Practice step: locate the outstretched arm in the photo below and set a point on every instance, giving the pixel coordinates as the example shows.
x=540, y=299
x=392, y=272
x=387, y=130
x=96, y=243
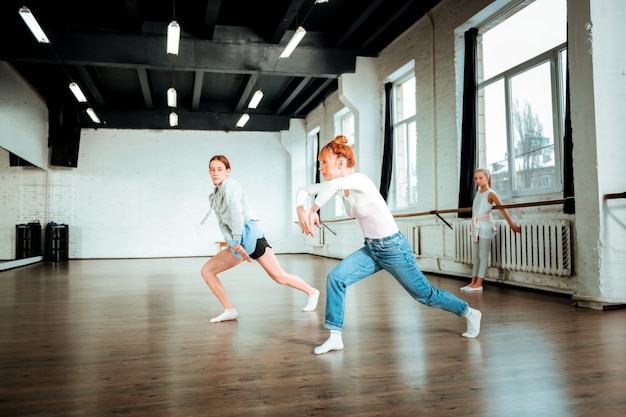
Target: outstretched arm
x=494, y=199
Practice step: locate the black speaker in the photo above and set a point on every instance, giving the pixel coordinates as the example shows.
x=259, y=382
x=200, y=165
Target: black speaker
x=56, y=242
x=64, y=132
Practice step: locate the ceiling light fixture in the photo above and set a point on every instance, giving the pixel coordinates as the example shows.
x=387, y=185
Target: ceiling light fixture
x=92, y=115
x=295, y=40
x=256, y=99
x=171, y=97
x=173, y=37
x=33, y=25
x=78, y=93
x=321, y=1
x=173, y=119
x=243, y=120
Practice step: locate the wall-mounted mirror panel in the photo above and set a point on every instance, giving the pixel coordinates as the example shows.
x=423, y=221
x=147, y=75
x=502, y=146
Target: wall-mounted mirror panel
x=23, y=200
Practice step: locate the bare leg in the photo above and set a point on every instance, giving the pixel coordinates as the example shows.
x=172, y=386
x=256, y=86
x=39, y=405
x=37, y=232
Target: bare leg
x=477, y=282
x=221, y=262
x=270, y=264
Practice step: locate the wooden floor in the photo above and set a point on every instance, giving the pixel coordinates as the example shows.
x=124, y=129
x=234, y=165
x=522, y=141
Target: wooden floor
x=133, y=338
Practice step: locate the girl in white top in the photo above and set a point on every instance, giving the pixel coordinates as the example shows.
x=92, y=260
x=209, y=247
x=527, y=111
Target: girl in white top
x=483, y=227
x=385, y=247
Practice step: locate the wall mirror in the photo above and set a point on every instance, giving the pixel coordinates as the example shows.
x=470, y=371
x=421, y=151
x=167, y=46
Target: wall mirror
x=23, y=200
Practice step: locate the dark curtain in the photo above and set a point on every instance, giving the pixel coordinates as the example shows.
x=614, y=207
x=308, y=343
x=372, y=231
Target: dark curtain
x=317, y=162
x=468, y=127
x=568, y=161
x=387, y=166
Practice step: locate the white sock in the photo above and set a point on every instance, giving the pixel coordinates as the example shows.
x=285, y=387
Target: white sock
x=473, y=323
x=312, y=302
x=334, y=342
x=228, y=314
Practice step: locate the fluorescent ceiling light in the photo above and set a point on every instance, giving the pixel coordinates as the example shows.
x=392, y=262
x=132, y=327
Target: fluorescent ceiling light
x=33, y=25
x=256, y=99
x=173, y=119
x=78, y=93
x=321, y=1
x=92, y=115
x=173, y=38
x=295, y=40
x=171, y=97
x=243, y=120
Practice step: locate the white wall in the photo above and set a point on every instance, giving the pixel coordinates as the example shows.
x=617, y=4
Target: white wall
x=144, y=193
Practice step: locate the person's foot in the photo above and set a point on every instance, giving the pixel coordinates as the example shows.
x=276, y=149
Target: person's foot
x=470, y=289
x=334, y=342
x=229, y=314
x=312, y=302
x=473, y=324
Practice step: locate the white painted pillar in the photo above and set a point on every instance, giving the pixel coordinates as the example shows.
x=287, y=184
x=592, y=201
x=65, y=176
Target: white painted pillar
x=597, y=52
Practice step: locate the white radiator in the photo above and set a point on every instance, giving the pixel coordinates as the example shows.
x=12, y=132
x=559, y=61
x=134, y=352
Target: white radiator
x=543, y=246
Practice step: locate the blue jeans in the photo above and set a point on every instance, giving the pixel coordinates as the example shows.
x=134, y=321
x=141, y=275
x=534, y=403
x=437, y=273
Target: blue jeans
x=395, y=255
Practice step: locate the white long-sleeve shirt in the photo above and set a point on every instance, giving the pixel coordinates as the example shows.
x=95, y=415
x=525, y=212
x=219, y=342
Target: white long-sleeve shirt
x=364, y=203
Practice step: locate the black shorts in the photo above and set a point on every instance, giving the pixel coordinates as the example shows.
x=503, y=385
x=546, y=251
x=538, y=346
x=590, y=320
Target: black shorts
x=259, y=250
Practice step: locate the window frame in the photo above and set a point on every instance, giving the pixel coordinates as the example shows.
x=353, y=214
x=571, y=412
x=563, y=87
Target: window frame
x=555, y=57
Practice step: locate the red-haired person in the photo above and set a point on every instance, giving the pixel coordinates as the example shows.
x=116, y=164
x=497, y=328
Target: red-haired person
x=384, y=246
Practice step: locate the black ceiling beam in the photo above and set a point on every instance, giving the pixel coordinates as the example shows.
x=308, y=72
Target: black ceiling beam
x=144, y=82
x=289, y=16
x=91, y=85
x=357, y=22
x=247, y=88
x=313, y=95
x=209, y=22
x=383, y=27
x=158, y=119
x=131, y=51
x=293, y=93
x=198, y=79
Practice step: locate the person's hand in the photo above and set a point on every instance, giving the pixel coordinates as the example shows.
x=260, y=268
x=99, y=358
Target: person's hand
x=303, y=221
x=314, y=219
x=516, y=228
x=240, y=252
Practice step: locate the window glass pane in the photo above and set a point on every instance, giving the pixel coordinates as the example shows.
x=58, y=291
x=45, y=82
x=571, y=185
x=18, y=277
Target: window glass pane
x=403, y=190
x=496, y=136
x=400, y=167
x=533, y=132
x=563, y=72
x=535, y=29
x=412, y=162
x=405, y=100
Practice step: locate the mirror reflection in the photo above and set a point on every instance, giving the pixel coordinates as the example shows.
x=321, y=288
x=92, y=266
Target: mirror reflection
x=22, y=202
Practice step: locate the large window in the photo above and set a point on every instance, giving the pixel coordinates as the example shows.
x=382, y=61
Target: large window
x=403, y=190
x=521, y=97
